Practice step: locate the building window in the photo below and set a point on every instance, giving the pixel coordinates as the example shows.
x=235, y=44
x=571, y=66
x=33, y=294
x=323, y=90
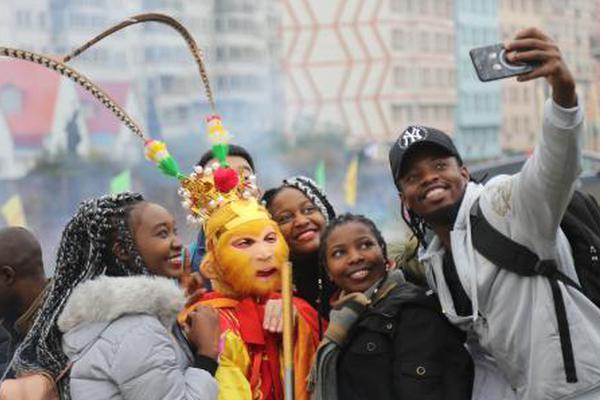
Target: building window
x=23, y=19
x=400, y=77
x=426, y=77
x=397, y=39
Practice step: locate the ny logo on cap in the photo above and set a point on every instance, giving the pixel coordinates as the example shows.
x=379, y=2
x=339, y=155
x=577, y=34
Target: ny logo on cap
x=410, y=135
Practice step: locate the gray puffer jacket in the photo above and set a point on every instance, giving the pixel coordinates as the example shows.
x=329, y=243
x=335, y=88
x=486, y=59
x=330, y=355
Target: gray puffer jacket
x=117, y=331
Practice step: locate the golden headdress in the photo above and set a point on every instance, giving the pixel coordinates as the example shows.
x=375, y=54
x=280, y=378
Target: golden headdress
x=218, y=199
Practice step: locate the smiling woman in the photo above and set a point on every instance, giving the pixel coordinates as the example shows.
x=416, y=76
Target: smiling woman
x=105, y=325
x=302, y=212
x=387, y=338
x=156, y=238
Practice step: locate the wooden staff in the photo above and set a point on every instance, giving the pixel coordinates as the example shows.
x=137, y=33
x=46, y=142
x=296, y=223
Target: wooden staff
x=288, y=331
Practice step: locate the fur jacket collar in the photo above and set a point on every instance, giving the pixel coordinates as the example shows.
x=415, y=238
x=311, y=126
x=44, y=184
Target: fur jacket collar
x=108, y=298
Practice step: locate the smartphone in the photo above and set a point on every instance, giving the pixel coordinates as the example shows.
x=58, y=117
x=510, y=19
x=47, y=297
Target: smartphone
x=490, y=63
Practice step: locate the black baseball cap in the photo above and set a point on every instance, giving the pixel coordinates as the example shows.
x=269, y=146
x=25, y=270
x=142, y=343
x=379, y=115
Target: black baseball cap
x=413, y=137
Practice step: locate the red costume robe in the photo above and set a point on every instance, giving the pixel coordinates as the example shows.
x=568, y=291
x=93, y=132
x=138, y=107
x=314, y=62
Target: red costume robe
x=250, y=364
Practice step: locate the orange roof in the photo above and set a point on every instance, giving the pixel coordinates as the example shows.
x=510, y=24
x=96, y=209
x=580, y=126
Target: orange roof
x=97, y=117
x=32, y=120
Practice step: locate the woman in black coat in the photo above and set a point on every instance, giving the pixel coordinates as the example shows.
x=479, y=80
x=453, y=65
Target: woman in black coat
x=387, y=338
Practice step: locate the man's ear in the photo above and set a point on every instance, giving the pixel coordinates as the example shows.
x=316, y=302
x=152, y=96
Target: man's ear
x=7, y=275
x=120, y=252
x=210, y=246
x=401, y=199
x=465, y=173
x=208, y=268
x=390, y=264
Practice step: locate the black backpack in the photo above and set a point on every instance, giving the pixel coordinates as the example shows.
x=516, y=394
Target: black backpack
x=581, y=225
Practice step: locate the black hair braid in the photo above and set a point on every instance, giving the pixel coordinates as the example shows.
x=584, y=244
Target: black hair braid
x=85, y=246
x=320, y=195
x=135, y=265
x=344, y=219
x=417, y=224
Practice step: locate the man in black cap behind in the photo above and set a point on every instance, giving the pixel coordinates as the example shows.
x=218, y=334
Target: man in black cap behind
x=511, y=319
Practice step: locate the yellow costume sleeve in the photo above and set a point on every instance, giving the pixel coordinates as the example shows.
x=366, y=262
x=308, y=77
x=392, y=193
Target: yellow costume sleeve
x=232, y=373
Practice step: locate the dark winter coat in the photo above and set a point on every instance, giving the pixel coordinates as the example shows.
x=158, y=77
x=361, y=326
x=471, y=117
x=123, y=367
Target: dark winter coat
x=402, y=347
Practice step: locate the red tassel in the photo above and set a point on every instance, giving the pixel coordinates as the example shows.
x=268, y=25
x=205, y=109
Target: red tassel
x=226, y=179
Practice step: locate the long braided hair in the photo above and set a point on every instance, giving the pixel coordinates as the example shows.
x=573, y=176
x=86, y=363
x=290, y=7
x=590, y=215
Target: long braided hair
x=344, y=219
x=85, y=252
x=416, y=223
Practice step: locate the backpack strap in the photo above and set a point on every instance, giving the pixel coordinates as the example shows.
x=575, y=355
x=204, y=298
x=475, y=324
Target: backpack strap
x=514, y=257
x=507, y=254
x=584, y=207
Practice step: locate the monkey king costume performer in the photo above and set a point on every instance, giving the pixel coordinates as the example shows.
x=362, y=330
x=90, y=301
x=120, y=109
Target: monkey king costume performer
x=246, y=252
x=244, y=260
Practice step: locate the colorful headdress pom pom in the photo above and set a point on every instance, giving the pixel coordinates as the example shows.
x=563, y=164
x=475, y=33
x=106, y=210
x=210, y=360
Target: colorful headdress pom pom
x=157, y=152
x=218, y=138
x=226, y=179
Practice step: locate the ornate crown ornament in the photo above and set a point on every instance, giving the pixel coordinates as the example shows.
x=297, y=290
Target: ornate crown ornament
x=205, y=190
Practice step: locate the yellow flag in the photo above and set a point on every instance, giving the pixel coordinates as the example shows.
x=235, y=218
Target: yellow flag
x=350, y=183
x=13, y=213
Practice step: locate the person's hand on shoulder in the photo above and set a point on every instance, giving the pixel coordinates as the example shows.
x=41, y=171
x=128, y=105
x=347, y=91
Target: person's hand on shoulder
x=533, y=46
x=203, y=330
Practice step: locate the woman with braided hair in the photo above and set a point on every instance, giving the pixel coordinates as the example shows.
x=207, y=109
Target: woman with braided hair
x=105, y=330
x=387, y=338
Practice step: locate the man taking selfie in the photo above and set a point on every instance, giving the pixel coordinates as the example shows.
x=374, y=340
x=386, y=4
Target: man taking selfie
x=531, y=337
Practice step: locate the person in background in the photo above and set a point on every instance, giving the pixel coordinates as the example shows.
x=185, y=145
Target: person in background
x=22, y=284
x=106, y=329
x=4, y=344
x=302, y=212
x=387, y=338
